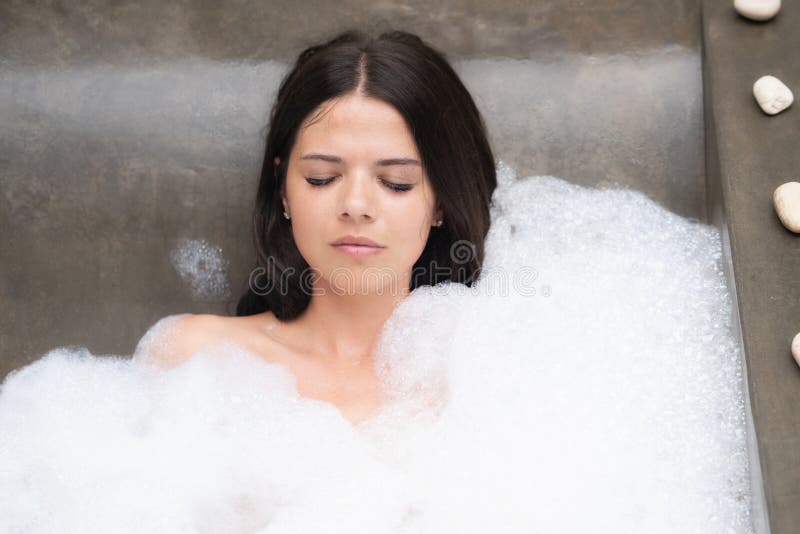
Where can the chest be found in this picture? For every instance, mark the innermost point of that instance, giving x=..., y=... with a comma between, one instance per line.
x=356, y=394
x=353, y=390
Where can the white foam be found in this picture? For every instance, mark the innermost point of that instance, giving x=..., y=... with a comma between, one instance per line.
x=611, y=402
x=203, y=266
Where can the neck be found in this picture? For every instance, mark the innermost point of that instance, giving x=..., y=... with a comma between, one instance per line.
x=344, y=328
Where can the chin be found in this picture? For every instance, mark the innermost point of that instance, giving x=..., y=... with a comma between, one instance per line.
x=363, y=281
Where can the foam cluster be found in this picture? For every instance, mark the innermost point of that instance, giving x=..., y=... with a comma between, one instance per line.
x=203, y=267
x=589, y=381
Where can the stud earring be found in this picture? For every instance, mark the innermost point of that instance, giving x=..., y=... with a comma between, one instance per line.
x=286, y=215
x=439, y=222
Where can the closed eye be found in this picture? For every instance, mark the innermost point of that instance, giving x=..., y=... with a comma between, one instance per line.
x=319, y=182
x=400, y=188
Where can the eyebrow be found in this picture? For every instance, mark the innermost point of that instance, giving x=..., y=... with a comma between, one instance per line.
x=380, y=163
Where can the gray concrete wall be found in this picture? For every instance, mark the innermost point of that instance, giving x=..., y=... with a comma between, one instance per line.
x=125, y=127
x=750, y=154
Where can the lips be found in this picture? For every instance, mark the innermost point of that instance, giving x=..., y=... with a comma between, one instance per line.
x=353, y=240
x=359, y=250
x=358, y=246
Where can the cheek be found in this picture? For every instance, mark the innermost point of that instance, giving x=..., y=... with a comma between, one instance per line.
x=412, y=230
x=309, y=212
x=303, y=225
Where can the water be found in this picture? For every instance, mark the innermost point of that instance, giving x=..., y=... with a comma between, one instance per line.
x=589, y=382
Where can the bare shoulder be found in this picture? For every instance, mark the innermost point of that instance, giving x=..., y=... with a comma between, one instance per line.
x=174, y=338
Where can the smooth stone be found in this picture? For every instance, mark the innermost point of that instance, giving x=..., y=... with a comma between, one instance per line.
x=757, y=9
x=772, y=94
x=787, y=205
x=796, y=348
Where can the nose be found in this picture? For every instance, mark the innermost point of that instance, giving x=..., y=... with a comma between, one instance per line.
x=357, y=202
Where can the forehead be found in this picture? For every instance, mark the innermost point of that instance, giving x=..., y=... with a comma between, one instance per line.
x=357, y=125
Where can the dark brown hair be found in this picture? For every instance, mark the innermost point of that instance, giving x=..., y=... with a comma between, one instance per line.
x=400, y=69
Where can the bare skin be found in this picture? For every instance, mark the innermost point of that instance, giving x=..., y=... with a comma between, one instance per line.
x=351, y=387
x=330, y=346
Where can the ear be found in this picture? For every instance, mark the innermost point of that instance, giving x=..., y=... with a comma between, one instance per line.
x=438, y=214
x=276, y=162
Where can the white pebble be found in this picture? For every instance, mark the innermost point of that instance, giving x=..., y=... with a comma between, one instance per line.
x=796, y=348
x=772, y=94
x=787, y=205
x=757, y=9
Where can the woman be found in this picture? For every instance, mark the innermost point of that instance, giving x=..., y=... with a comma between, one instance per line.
x=377, y=176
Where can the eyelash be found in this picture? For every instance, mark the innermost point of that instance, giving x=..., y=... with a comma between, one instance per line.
x=398, y=188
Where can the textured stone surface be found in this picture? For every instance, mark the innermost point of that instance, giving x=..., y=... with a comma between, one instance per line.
x=757, y=153
x=128, y=128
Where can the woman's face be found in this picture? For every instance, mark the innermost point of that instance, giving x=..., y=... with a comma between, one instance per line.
x=339, y=184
